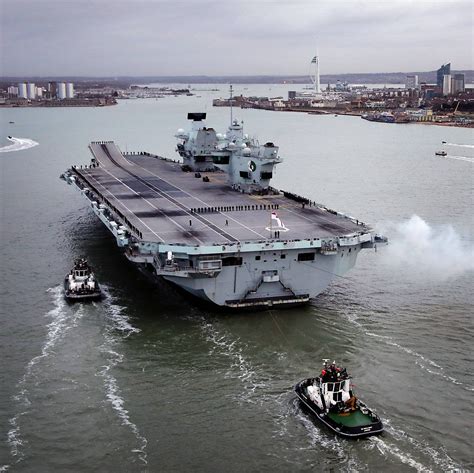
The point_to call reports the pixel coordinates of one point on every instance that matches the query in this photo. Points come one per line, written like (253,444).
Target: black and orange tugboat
(330,398)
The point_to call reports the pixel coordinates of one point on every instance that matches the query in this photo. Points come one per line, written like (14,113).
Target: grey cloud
(146,37)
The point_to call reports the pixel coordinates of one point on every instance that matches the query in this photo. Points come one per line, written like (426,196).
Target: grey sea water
(148,381)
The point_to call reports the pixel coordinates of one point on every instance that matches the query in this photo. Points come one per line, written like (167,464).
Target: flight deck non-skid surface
(168,205)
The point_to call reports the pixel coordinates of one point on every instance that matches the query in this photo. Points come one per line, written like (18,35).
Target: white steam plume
(435,253)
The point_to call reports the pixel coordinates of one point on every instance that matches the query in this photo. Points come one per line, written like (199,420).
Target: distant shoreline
(388,78)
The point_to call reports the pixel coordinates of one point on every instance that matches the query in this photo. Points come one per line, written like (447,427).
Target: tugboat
(329,397)
(441,153)
(80,284)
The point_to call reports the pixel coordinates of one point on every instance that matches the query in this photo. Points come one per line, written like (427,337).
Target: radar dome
(231,145)
(219,136)
(246,151)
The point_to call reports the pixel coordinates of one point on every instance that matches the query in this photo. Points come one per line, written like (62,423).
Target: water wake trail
(460,158)
(427,252)
(232,348)
(460,145)
(19,144)
(423,362)
(389,449)
(329,442)
(62,321)
(439,457)
(119,323)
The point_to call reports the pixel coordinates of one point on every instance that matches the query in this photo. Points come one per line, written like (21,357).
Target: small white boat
(80,284)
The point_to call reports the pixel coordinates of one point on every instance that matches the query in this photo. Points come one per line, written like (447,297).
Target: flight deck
(161,203)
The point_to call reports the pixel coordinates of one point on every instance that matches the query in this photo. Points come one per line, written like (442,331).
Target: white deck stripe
(199,200)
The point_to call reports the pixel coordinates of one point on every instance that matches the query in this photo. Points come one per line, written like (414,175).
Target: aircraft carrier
(212,224)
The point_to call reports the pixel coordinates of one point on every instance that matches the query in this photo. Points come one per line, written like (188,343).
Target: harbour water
(149,381)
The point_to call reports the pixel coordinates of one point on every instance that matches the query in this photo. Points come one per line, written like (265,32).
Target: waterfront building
(457,84)
(70,90)
(411,82)
(441,72)
(12,90)
(53,89)
(447,84)
(22,90)
(39,92)
(31,90)
(61,91)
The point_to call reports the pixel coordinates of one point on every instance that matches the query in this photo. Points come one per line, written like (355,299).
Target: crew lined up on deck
(236,208)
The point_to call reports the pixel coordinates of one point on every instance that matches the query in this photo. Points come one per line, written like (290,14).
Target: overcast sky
(229,37)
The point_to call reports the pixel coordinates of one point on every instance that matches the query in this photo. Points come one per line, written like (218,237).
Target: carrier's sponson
(214,242)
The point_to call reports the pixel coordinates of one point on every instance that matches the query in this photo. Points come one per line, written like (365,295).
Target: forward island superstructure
(213,225)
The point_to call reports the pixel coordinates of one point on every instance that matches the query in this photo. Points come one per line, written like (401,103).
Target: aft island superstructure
(213,225)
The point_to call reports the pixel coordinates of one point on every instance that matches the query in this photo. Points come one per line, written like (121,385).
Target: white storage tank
(61,90)
(30,90)
(70,90)
(22,90)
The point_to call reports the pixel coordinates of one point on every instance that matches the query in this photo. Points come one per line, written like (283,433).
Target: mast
(231,90)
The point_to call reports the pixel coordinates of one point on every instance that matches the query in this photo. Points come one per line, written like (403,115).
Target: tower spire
(231,90)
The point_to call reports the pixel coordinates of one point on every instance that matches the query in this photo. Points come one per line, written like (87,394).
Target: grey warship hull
(212,241)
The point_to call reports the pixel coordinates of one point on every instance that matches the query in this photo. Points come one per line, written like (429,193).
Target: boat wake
(460,145)
(18,144)
(383,444)
(460,158)
(224,345)
(318,438)
(120,324)
(388,449)
(62,320)
(424,363)
(440,459)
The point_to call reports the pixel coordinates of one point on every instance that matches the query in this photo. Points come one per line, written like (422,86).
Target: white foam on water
(115,313)
(318,438)
(120,324)
(390,449)
(19,144)
(422,361)
(460,145)
(62,321)
(460,158)
(439,457)
(224,345)
(113,395)
(427,253)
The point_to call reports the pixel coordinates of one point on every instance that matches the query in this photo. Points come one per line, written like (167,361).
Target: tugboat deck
(167,205)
